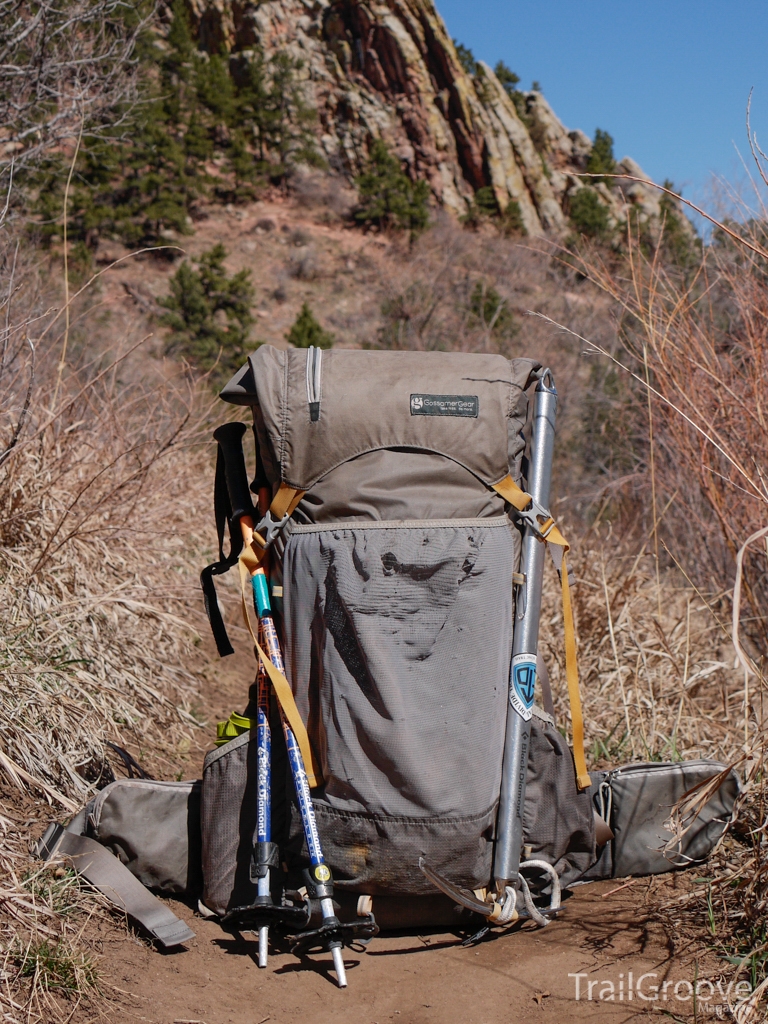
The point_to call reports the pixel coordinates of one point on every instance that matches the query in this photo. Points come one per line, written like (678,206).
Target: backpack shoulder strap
(223,514)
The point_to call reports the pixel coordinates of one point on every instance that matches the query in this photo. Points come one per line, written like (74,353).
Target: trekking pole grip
(230,440)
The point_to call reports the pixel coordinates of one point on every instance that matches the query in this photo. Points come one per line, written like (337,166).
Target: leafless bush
(328,193)
(95,488)
(693,353)
(696,348)
(304,264)
(66,67)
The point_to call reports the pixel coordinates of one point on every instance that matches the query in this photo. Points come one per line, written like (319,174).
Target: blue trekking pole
(319,870)
(264,805)
(265,854)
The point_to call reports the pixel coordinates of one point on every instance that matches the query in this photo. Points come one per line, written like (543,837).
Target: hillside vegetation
(284,184)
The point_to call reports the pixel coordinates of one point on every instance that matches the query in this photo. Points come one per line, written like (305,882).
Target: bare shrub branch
(64,63)
(705,338)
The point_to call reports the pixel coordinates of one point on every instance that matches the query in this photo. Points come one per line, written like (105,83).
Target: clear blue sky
(669,80)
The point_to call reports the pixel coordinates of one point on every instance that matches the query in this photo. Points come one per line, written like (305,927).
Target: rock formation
(388,68)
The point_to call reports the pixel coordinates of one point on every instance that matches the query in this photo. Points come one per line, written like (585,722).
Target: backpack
(394,554)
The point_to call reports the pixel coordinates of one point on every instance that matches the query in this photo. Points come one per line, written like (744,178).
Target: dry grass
(654,688)
(48,966)
(103,514)
(673,662)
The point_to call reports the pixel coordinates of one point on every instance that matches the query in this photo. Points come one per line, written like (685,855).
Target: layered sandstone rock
(388,68)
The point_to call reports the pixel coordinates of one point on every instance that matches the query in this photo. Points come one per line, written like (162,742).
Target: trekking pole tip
(338,964)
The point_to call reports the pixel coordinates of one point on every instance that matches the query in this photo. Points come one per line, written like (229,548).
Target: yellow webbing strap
(517,497)
(283,503)
(510,492)
(281,685)
(572,667)
(253,554)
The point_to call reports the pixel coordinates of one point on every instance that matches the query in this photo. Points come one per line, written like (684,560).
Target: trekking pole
(264,804)
(321,873)
(522,681)
(263,779)
(229,437)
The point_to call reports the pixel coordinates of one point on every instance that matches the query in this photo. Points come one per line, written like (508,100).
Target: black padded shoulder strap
(223,514)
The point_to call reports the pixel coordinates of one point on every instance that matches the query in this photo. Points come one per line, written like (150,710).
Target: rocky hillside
(388,68)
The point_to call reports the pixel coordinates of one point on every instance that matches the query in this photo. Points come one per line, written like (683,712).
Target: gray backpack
(394,577)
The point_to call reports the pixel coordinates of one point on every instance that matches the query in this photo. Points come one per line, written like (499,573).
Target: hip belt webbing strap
(113,880)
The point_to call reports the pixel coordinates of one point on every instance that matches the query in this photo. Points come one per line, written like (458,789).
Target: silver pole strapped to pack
(522,677)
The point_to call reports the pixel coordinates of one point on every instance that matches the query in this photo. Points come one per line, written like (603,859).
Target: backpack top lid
(323,408)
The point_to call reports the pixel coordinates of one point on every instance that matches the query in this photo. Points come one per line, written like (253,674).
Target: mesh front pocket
(228,821)
(398,643)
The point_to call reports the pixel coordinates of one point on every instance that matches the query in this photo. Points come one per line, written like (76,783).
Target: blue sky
(669,80)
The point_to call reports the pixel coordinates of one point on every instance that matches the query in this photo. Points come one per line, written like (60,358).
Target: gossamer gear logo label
(445,405)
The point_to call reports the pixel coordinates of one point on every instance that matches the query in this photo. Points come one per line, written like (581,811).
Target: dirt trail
(406,978)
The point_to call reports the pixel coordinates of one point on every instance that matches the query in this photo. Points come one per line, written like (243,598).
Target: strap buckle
(45,847)
(267,530)
(538,518)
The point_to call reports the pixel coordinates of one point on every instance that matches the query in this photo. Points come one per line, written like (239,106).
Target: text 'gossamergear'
(445,405)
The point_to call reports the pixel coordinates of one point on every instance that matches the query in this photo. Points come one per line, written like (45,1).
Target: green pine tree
(209,313)
(507,77)
(284,122)
(197,106)
(485,207)
(509,80)
(181,47)
(601,160)
(388,197)
(588,214)
(681,244)
(489,310)
(466,58)
(306,331)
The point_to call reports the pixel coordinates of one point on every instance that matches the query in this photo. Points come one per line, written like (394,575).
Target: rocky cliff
(388,68)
